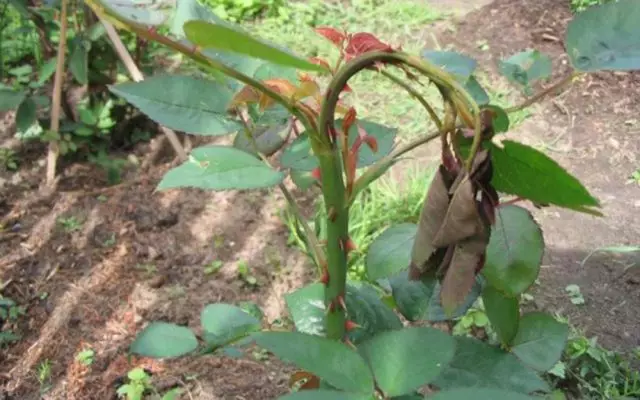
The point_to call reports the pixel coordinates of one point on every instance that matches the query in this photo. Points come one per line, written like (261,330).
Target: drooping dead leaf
(303,380)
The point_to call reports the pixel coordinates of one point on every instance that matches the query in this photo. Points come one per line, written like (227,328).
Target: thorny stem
(540,95)
(312,239)
(415,95)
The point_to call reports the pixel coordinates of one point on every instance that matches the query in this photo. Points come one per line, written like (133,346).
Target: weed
(213,267)
(139,384)
(575,295)
(581,5)
(8,159)
(70,224)
(86,356)
(245,274)
(9,313)
(43,375)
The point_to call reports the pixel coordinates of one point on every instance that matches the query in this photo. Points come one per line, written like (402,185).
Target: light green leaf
(524,171)
(480,394)
(208,35)
(479,365)
(221,168)
(457,64)
(503,313)
(157,14)
(303,179)
(11,99)
(183,103)
(191,10)
(79,62)
(268,139)
(26,114)
(47,70)
(515,251)
(390,252)
(526,67)
(605,37)
(299,154)
(406,359)
(224,323)
(161,340)
(540,340)
(420,300)
(325,395)
(328,359)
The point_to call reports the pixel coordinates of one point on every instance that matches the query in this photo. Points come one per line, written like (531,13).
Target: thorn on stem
(324,279)
(347,245)
(340,299)
(350,325)
(332,214)
(349,343)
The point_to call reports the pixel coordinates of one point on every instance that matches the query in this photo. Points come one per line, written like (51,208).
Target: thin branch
(54,149)
(137,76)
(541,95)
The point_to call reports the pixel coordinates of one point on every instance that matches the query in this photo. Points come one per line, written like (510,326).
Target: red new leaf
(334,35)
(364,42)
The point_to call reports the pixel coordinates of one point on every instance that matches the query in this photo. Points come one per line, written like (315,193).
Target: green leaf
(325,395)
(503,313)
(477,91)
(299,154)
(303,179)
(47,70)
(366,309)
(307,310)
(526,67)
(221,168)
(515,251)
(524,171)
(390,252)
(480,394)
(183,103)
(132,10)
(328,359)
(479,365)
(268,139)
(162,339)
(79,62)
(11,99)
(26,115)
(208,35)
(540,340)
(224,323)
(406,359)
(191,10)
(306,306)
(457,64)
(420,300)
(605,37)
(500,119)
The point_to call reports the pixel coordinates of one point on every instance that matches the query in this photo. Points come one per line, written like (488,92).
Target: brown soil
(139,255)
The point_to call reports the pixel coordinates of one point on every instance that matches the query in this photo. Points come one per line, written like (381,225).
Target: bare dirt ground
(139,255)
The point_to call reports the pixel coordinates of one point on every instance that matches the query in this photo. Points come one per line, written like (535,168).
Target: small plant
(575,295)
(70,224)
(43,374)
(8,159)
(139,384)
(213,267)
(245,274)
(9,313)
(471,240)
(581,5)
(86,357)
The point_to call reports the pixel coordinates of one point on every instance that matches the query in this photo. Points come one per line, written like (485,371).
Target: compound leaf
(221,168)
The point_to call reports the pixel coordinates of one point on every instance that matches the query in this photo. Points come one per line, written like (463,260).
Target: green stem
(540,95)
(416,95)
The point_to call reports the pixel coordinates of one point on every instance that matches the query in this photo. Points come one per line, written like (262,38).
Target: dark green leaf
(605,37)
(161,339)
(503,313)
(454,63)
(477,91)
(325,395)
(79,62)
(406,359)
(208,35)
(524,171)
(328,359)
(412,396)
(268,139)
(420,300)
(480,394)
(480,365)
(47,70)
(526,67)
(221,168)
(306,306)
(26,115)
(390,252)
(299,154)
(366,309)
(515,251)
(540,340)
(10,99)
(500,118)
(224,323)
(182,103)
